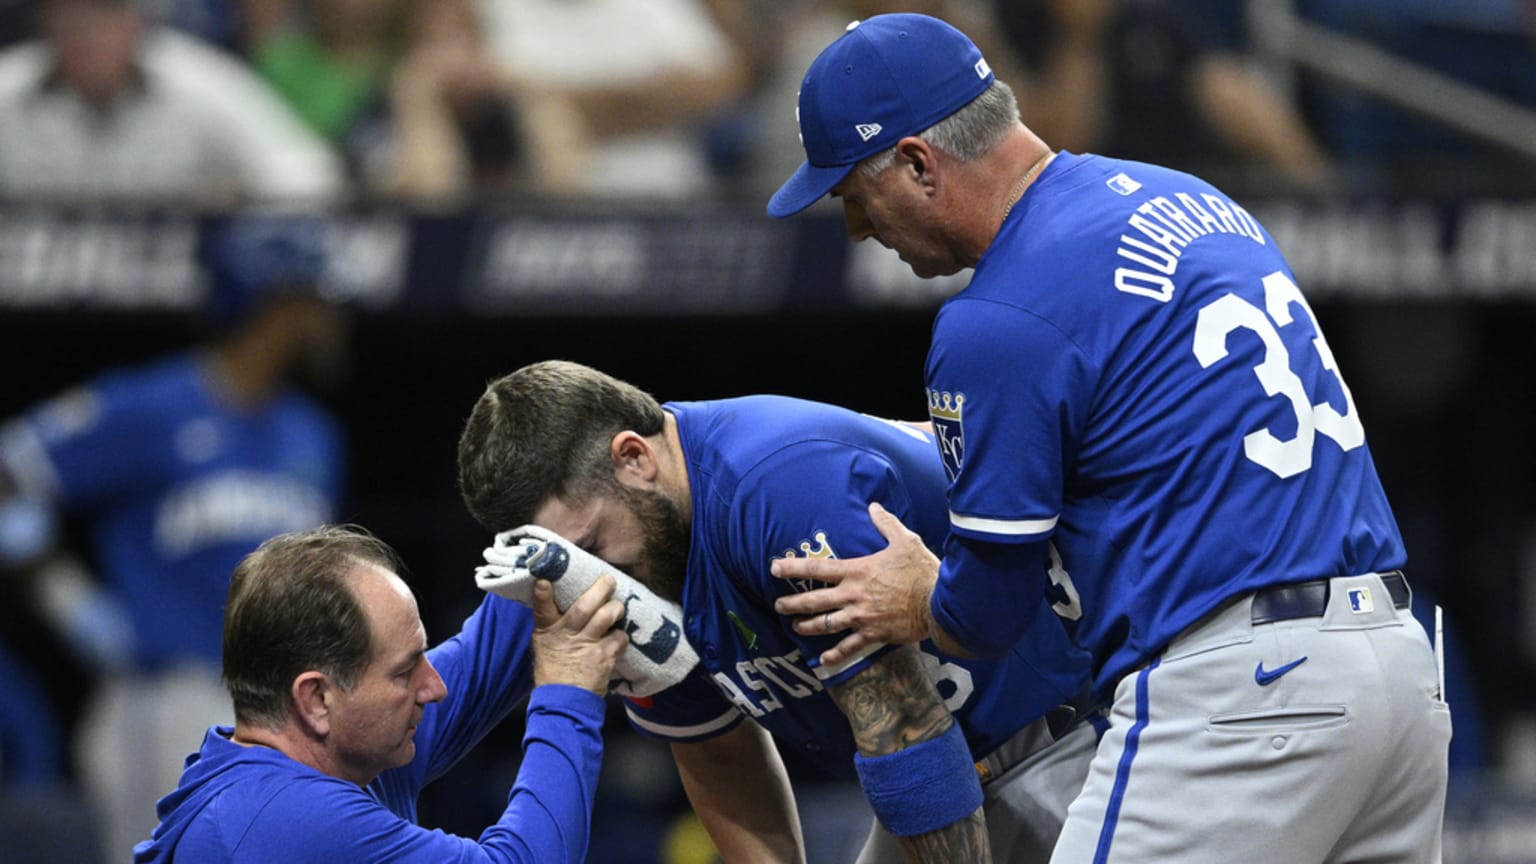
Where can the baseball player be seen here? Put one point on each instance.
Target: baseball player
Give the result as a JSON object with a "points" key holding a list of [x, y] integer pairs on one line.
{"points": [[695, 500], [178, 468], [1140, 417]]}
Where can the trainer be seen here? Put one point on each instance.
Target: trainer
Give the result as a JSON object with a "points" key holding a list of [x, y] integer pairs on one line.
{"points": [[342, 715]]}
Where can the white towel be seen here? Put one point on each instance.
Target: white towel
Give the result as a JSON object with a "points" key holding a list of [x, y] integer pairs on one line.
{"points": [[658, 655]]}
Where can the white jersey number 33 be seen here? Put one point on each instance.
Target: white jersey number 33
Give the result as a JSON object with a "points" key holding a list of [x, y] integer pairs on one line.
{"points": [[1230, 312]]}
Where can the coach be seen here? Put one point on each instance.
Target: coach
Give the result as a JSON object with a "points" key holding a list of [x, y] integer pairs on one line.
{"points": [[1141, 419]]}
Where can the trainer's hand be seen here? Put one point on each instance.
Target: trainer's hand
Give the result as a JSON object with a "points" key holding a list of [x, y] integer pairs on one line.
{"points": [[579, 647], [882, 598]]}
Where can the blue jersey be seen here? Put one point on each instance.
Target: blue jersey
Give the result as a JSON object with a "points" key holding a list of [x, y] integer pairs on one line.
{"points": [[1133, 375], [253, 804], [770, 477], [177, 487]]}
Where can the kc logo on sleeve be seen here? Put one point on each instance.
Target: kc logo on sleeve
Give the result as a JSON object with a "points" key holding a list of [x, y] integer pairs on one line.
{"points": [[944, 409]]}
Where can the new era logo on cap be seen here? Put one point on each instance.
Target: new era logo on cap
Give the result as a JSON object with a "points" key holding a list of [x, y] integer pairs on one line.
{"points": [[884, 78]]}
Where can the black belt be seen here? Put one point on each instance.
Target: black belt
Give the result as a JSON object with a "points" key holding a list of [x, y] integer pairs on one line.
{"points": [[1310, 599]]}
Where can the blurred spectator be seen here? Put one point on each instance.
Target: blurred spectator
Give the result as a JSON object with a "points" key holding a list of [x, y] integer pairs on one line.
{"points": [[175, 471], [645, 81], [1489, 44], [107, 106], [1158, 81], [329, 59], [420, 110]]}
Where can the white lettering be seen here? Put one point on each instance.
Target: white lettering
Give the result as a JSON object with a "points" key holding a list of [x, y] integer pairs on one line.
{"points": [[1207, 221], [1170, 214], [765, 665], [791, 662], [1171, 230], [1153, 285], [1219, 207], [1250, 226], [1172, 242], [747, 671], [1165, 262], [733, 693], [235, 506]]}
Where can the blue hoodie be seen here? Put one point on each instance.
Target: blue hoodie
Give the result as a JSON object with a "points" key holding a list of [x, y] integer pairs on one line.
{"points": [[254, 804]]}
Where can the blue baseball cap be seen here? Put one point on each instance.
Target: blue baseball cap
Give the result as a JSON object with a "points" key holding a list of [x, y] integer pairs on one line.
{"points": [[885, 78], [252, 257]]}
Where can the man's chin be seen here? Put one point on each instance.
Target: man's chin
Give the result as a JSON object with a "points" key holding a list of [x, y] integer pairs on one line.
{"points": [[924, 270]]}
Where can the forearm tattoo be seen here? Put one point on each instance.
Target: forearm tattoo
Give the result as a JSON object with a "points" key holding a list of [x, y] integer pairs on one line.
{"points": [[892, 704], [963, 842]]}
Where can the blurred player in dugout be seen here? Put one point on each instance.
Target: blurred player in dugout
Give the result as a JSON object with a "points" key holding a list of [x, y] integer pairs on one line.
{"points": [[173, 471]]}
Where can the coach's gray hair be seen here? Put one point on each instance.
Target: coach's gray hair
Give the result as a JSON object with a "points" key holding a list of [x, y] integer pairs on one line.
{"points": [[544, 431], [967, 134]]}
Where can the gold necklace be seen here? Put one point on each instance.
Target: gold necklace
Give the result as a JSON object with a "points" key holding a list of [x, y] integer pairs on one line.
{"points": [[1018, 187]]}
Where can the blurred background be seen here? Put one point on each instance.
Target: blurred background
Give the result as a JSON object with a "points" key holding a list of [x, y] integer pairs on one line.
{"points": [[369, 208]]}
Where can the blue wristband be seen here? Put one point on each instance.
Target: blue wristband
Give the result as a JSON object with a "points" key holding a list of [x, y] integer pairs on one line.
{"points": [[924, 787]]}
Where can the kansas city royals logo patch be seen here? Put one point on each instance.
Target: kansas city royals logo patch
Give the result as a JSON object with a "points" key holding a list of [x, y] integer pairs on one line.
{"points": [[816, 547], [944, 409]]}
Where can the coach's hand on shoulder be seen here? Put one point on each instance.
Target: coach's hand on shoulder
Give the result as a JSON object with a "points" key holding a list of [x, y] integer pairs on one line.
{"points": [[882, 598], [580, 646]]}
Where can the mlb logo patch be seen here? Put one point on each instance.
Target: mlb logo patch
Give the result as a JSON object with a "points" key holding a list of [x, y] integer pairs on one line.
{"points": [[1360, 601], [1122, 184]]}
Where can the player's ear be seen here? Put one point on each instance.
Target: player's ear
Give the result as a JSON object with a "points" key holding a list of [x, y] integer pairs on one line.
{"points": [[311, 694], [634, 459], [916, 158]]}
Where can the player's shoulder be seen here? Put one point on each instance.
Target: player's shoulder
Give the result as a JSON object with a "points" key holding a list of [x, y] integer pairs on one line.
{"points": [[176, 385], [1091, 186], [735, 436], [159, 387], [1105, 235]]}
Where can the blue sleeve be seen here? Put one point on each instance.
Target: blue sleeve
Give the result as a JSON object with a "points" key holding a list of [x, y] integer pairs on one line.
{"points": [[549, 815], [70, 448], [1008, 392], [982, 589], [547, 819], [691, 710]]}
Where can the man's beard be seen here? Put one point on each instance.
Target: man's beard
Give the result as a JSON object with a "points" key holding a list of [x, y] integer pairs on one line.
{"points": [[666, 536]]}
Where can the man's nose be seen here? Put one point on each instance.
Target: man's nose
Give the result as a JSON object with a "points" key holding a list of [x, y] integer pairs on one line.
{"points": [[432, 689]]}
